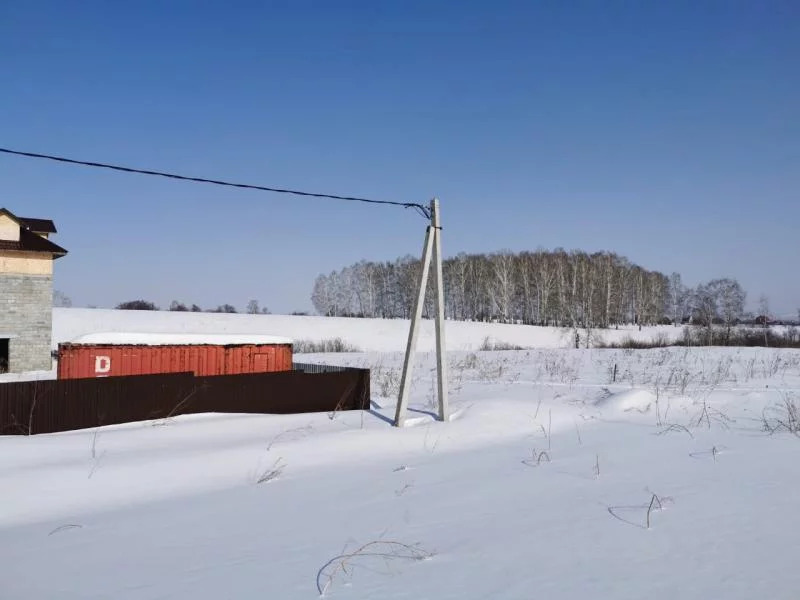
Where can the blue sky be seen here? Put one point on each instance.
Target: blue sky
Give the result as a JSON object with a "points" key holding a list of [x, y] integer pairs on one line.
{"points": [[667, 132]]}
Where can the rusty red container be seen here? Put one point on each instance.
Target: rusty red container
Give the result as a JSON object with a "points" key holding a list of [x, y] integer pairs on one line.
{"points": [[107, 355]]}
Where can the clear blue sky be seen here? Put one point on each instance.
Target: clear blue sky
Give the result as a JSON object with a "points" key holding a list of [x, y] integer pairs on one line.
{"points": [[665, 131]]}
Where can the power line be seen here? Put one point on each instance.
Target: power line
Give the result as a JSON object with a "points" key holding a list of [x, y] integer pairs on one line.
{"points": [[423, 210]]}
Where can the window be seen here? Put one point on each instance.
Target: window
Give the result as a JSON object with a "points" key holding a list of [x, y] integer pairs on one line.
{"points": [[3, 355]]}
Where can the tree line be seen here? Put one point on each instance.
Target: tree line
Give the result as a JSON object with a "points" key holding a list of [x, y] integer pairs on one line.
{"points": [[253, 307], [556, 288]]}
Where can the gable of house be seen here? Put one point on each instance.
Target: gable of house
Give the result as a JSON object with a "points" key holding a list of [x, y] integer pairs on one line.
{"points": [[9, 228]]}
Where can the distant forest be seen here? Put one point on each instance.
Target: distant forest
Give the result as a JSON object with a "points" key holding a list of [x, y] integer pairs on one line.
{"points": [[559, 288]]}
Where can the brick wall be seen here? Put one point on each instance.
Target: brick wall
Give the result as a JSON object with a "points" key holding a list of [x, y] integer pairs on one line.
{"points": [[26, 311]]}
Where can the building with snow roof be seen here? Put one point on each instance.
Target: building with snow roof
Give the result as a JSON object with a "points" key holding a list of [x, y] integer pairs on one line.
{"points": [[118, 353], [26, 291]]}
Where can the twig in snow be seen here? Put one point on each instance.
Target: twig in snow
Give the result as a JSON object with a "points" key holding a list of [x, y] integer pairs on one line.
{"points": [[578, 431], [536, 458], [656, 503], [675, 427], [64, 528], [597, 466], [95, 462], [707, 414], [432, 447], [784, 416], [713, 452], [345, 563], [272, 472], [166, 420], [653, 501], [33, 407], [286, 433], [403, 489]]}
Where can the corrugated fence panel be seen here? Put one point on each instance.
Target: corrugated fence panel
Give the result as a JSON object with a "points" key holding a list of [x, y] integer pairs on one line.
{"points": [[64, 404], [312, 368]]}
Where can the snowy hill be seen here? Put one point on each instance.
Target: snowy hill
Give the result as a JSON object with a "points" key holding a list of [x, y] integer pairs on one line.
{"points": [[380, 335]]}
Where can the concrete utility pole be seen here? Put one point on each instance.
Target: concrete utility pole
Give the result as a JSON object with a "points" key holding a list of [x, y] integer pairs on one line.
{"points": [[431, 250]]}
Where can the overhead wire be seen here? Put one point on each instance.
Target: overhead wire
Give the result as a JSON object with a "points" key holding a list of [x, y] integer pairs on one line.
{"points": [[423, 210]]}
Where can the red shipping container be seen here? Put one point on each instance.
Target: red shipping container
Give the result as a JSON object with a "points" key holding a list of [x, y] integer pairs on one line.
{"points": [[113, 354]]}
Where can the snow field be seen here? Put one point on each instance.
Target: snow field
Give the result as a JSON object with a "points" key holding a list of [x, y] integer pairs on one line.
{"points": [[380, 335], [174, 508]]}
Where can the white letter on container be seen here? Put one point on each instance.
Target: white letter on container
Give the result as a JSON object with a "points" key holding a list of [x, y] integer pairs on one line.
{"points": [[102, 364]]}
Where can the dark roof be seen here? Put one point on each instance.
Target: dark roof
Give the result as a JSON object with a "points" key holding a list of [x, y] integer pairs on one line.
{"points": [[30, 241], [39, 225]]}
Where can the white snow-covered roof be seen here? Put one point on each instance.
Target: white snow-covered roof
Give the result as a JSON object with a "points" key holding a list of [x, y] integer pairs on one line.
{"points": [[179, 339]]}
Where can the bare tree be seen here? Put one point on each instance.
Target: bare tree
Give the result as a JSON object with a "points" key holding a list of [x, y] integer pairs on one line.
{"points": [[224, 308], [730, 301], [763, 314], [566, 289], [253, 308], [677, 295], [61, 300], [704, 305], [501, 291], [137, 305], [321, 296], [719, 300]]}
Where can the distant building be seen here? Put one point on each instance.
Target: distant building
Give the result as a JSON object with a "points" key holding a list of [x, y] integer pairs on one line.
{"points": [[26, 292]]}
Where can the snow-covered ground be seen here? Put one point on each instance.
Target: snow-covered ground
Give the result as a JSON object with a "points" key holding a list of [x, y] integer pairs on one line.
{"points": [[376, 335], [381, 335], [563, 474]]}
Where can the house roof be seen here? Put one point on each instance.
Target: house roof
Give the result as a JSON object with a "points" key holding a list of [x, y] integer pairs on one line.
{"points": [[28, 240], [39, 225], [31, 242]]}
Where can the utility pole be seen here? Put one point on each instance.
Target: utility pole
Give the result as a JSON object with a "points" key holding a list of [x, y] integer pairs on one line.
{"points": [[431, 251]]}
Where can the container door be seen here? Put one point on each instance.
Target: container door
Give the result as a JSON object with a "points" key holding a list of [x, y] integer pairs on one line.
{"points": [[262, 363]]}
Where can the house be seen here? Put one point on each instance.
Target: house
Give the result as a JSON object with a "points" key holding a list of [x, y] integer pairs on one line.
{"points": [[26, 292]]}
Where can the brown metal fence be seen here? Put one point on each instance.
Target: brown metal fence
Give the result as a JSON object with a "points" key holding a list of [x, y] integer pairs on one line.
{"points": [[47, 406]]}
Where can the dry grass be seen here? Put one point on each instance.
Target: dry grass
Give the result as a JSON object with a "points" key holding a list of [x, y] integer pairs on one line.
{"points": [[675, 427], [290, 434], [536, 458], [65, 528], [385, 551], [272, 472], [783, 416], [385, 380], [656, 504], [322, 346], [95, 457], [491, 345]]}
